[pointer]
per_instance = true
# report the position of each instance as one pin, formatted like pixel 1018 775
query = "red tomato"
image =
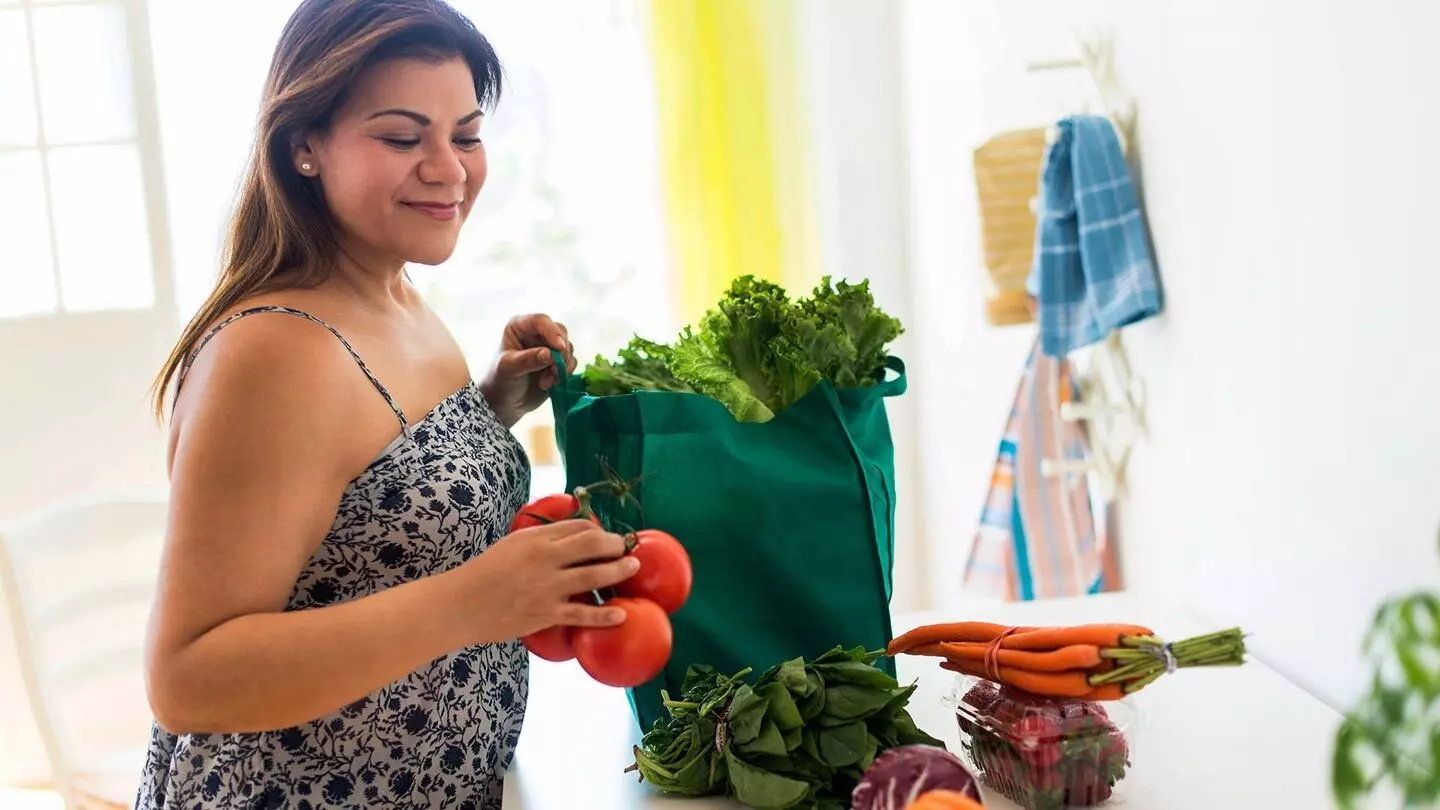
pixel 627 654
pixel 556 643
pixel 552 643
pixel 665 575
pixel 547 510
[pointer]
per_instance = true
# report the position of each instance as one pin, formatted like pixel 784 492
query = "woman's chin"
pixel 429 255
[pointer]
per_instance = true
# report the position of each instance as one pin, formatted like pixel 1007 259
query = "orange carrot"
pixel 1105 691
pixel 952 631
pixel 944 800
pixel 1108 691
pixel 1078 656
pixel 930 650
pixel 1053 638
pixel 1072 684
pixel 1025 639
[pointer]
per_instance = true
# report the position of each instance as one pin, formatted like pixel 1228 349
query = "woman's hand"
pixel 524 582
pixel 524 371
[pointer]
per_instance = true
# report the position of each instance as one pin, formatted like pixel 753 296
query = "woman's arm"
pixel 265 444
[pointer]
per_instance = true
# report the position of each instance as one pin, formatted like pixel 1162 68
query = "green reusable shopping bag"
pixel 789 523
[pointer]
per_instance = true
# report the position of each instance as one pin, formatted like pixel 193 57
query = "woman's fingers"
pixel 600 575
pixel 589 546
pixel 562 530
pixel 569 350
pixel 577 615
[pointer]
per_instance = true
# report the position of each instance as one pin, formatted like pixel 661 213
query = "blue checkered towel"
pixel 1093 271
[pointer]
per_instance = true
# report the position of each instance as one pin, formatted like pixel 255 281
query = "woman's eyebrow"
pixel 422 120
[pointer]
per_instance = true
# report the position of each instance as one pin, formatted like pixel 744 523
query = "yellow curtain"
pixel 733 139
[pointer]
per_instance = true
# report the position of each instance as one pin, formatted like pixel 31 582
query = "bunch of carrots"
pixel 1085 662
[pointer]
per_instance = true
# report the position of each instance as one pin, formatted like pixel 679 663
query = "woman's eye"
pixel 468 143
pixel 401 143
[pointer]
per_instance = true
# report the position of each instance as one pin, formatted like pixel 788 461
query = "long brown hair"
pixel 281 235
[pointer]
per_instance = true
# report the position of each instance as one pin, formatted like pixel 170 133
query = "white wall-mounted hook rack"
pixel 1112 398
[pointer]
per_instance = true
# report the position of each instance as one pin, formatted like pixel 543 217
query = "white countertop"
pixel 1240 738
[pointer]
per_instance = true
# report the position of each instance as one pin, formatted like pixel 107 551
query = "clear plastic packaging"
pixel 1044 753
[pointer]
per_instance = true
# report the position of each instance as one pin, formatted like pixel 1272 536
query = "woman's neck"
pixel 377 284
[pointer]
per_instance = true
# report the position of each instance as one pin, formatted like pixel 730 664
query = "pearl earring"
pixel 305 167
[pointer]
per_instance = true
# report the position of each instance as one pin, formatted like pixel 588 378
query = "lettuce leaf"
pixel 644 365
pixel 858 358
pixel 758 352
pixel 699 361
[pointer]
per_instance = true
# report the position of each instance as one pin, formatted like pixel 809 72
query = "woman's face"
pixel 402 162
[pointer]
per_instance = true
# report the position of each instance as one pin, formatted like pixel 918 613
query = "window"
pixel 74 216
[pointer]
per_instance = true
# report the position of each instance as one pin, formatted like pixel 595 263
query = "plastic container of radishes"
pixel 1044 753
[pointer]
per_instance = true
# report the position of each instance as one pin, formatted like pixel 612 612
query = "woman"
pixel 327 631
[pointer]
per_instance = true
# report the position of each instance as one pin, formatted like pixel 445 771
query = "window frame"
pixel 145 139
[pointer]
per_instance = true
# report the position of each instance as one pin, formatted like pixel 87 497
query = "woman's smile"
pixel 441 211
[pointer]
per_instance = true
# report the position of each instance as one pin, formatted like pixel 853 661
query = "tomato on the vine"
pixel 547 510
pixel 665 576
pixel 552 643
pixel 556 643
pixel 628 654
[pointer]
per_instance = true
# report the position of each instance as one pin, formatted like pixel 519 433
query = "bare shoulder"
pixel 272 378
pixel 265 355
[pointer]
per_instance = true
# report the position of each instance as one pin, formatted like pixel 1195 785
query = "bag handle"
pixel 562 374
pixel 557 396
pixel 896 385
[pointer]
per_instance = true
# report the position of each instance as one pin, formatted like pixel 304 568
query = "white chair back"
pixel 78 581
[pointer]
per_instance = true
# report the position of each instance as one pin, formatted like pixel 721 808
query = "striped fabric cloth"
pixel 990 570
pixel 1093 271
pixel 1037 536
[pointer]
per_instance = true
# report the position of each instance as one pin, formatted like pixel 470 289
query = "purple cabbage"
pixel 901 775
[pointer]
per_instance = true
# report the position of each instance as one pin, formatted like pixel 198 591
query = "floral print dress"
pixel 445 490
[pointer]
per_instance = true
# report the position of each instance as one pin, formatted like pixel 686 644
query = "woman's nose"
pixel 442 167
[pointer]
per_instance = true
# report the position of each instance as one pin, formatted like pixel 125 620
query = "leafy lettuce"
pixel 758 351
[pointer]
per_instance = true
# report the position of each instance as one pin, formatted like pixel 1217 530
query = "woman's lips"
pixel 441 211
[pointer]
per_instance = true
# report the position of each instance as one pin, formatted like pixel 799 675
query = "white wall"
pixel 959 86
pixel 1291 478
pixel 851 70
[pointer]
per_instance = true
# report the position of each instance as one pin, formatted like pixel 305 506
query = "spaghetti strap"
pixel 389 400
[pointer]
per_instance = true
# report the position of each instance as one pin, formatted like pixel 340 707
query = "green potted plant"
pixel 1392 735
